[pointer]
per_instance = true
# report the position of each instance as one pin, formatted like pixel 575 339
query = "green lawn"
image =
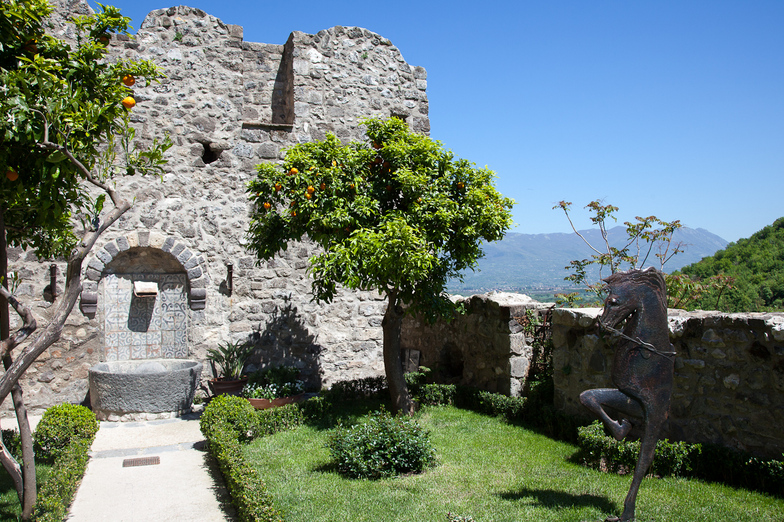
pixel 10 508
pixel 489 470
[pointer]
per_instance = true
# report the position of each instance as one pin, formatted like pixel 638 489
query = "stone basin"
pixel 143 389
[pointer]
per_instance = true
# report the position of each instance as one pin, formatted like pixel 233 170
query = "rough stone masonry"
pixel 228 105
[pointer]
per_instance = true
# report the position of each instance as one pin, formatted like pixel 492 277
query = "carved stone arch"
pixel 194 266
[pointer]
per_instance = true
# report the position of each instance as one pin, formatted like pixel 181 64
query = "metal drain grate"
pixel 141 461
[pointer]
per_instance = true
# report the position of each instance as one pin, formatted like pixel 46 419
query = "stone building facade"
pixel 228 105
pixel 729 375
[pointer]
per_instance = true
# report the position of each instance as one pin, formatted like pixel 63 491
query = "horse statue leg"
pixel 656 414
pixel 596 399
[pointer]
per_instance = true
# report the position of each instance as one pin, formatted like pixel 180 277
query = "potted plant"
pixel 274 387
pixel 229 358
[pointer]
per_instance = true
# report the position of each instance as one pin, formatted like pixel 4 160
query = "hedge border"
pixel 57 492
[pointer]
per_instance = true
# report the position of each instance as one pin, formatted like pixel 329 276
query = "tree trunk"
pixel 24 476
pixel 393 364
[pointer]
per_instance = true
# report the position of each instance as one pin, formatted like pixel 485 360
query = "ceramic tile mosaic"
pixel 145 327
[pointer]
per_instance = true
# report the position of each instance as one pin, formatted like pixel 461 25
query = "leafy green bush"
pixel 437 394
pixel 13 442
pixel 382 446
pixel 234 412
pixel 61 424
pixel 357 389
pixel 274 420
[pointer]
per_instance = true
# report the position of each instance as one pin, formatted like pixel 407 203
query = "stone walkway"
pixel 153 470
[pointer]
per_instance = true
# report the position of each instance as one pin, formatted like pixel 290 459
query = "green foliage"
pixel 60 487
pixel 704 461
pixel 357 389
pixel 277 382
pixel 398 214
pixel 63 436
pixel 62 122
pixel 229 413
pixel 230 358
pixel 59 426
pixel 381 446
pixel 645 236
pixel 248 491
pixel 752 270
pixel 437 394
pixel 273 420
pixel 13 442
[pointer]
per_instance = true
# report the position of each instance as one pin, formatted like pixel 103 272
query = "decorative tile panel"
pixel 145 327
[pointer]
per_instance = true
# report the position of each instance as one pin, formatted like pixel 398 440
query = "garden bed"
pixel 487 469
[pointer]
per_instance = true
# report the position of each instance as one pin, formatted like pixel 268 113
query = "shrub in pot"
pixel 228 361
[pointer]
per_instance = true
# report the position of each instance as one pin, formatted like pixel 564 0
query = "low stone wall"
pixel 729 375
pixel 486 347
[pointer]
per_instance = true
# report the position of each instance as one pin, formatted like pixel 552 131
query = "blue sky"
pixel 666 108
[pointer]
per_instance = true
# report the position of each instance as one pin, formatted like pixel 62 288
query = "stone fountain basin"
pixel 143 389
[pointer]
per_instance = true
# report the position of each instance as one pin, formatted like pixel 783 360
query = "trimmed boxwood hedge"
pixel 63 436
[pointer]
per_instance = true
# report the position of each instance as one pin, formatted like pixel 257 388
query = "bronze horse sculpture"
pixel 643 366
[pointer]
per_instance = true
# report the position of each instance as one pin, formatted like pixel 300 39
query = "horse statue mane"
pixel 643 365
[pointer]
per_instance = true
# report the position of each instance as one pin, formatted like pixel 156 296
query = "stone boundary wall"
pixel 729 375
pixel 485 348
pixel 228 105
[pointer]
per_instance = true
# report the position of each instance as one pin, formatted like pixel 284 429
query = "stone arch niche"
pixel 138 325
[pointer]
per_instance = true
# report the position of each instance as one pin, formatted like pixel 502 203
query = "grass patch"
pixel 10 508
pixel 489 470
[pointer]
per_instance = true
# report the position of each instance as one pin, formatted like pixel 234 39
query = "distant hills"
pixel 534 263
pixel 756 266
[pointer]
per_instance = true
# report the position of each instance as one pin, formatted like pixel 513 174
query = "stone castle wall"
pixel 228 105
pixel 485 348
pixel 729 375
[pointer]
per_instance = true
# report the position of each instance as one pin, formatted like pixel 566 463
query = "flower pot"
pixel 227 387
pixel 263 404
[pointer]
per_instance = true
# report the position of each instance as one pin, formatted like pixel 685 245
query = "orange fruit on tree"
pixel 293 213
pixel 311 190
pixel 293 171
pixel 128 80
pixel 267 206
pixel 278 186
pixel 11 174
pixel 308 195
pixel 323 186
pixel 128 102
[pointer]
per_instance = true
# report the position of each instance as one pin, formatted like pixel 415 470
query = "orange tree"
pixel 64 133
pixel 398 214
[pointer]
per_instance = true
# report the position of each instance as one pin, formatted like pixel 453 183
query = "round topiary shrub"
pixel 61 424
pixel 381 446
pixel 229 412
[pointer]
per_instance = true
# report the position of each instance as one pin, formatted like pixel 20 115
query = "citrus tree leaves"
pixel 397 213
pixel 54 100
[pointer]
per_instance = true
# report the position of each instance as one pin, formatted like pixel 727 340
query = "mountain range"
pixel 535 263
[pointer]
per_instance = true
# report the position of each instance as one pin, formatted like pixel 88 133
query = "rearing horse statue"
pixel 642 369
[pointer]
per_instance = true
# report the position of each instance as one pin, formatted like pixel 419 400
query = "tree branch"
pixel 29 324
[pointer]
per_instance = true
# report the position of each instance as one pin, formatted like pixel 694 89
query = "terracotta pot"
pixel 263 404
pixel 227 387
